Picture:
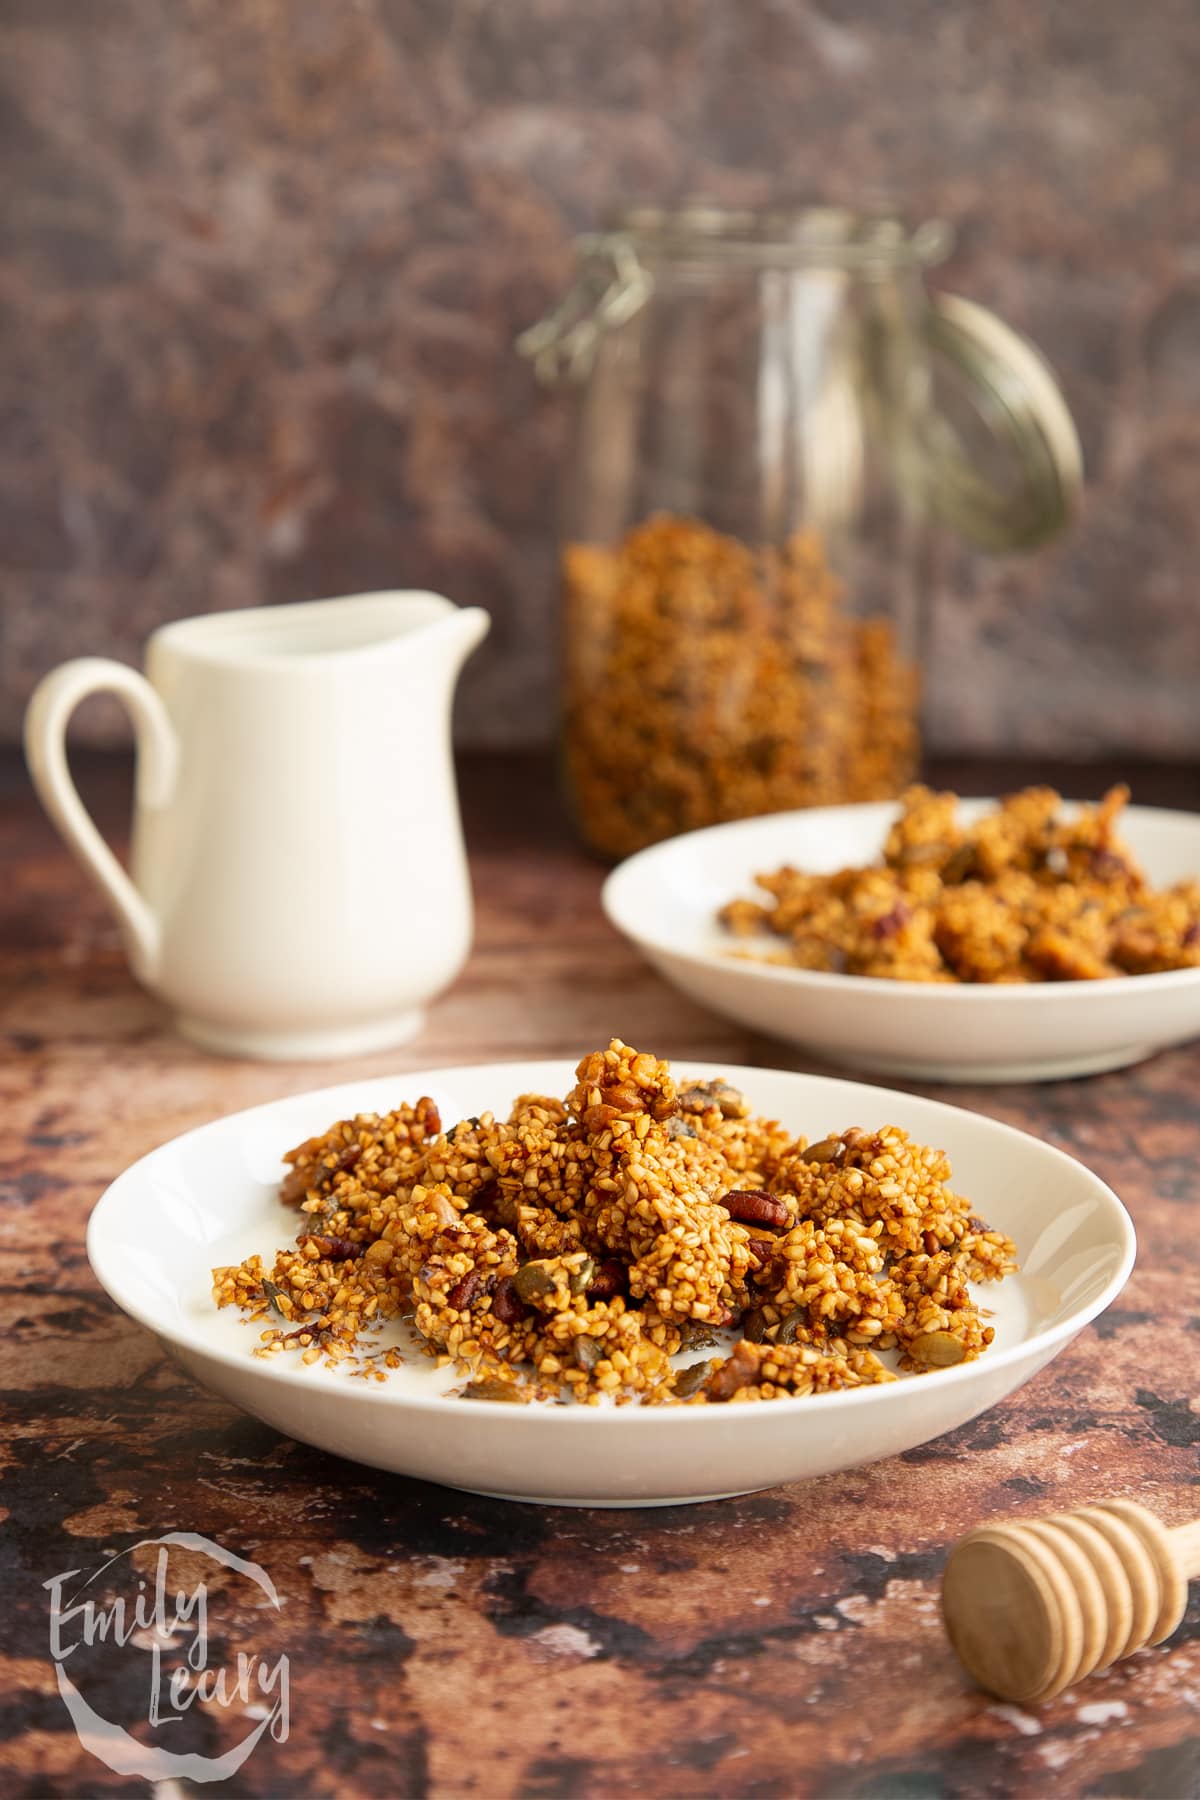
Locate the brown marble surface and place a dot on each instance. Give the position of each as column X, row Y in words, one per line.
column 263, row 262
column 786, row 1644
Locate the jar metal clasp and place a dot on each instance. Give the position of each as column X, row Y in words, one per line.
column 611, row 287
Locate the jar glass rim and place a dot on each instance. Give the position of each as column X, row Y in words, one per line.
column 780, row 236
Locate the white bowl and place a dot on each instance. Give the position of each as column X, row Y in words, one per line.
column 666, row 898
column 210, row 1197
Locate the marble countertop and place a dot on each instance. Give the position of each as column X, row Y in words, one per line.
column 785, row 1644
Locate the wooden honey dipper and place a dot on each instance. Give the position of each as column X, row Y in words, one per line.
column 1032, row 1606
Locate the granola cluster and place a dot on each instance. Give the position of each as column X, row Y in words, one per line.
column 1022, row 895
column 575, row 1248
column 708, row 680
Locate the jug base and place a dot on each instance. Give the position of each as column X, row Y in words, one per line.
column 302, row 1046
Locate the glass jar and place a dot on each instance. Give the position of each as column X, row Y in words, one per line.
column 773, row 411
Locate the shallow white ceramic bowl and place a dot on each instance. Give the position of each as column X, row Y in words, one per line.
column 665, row 899
column 210, row 1197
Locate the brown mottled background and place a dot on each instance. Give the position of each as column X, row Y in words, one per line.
column 263, row 261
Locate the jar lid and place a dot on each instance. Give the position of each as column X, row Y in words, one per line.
column 1004, row 466
column 997, row 458
column 793, row 236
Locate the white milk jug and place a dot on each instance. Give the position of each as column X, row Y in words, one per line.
column 299, row 887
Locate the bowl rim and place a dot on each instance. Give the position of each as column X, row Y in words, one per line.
column 619, row 914
column 1049, row 1340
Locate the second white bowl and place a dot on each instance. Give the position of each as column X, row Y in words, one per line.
column 666, row 899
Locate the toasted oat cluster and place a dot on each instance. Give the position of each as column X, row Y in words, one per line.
column 573, row 1249
column 709, row 680
column 1022, row 895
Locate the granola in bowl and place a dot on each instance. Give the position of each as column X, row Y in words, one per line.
column 1024, row 894
column 575, row 1249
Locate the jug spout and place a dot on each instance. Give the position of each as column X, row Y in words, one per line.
column 444, row 644
column 428, row 635
column 464, row 630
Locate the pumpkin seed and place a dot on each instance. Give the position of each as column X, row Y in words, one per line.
column 939, row 1349
column 694, row 1334
column 829, row 1150
column 754, row 1325
column 582, row 1279
column 533, row 1281
column 960, row 866
column 493, row 1390
column 694, row 1376
column 273, row 1293
column 913, row 855
column 791, row 1324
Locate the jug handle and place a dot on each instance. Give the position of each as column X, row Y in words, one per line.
column 54, row 700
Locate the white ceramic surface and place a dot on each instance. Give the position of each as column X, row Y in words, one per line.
column 299, row 884
column 210, row 1198
column 665, row 899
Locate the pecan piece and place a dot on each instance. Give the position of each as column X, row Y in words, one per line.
column 331, row 1249
column 464, row 1291
column 506, row 1304
column 296, row 1183
column 737, row 1371
column 610, row 1278
column 892, row 922
column 754, row 1206
column 1106, row 865
column 625, row 1100
column 860, row 1143
column 598, row 1118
